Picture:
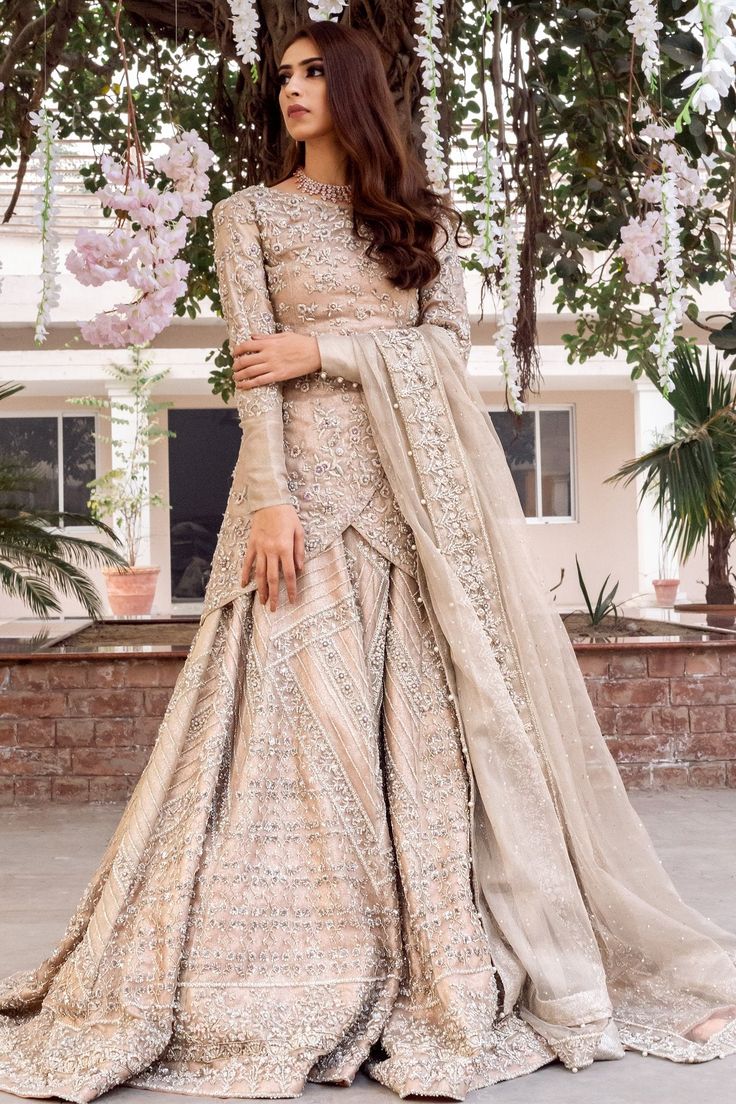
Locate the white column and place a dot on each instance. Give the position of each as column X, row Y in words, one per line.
column 653, row 415
column 123, row 432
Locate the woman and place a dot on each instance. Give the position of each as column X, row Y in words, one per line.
column 380, row 826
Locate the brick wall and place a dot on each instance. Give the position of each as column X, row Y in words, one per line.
column 668, row 711
column 76, row 729
column 81, row 729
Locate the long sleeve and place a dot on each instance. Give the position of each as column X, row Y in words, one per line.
column 443, row 302
column 246, row 307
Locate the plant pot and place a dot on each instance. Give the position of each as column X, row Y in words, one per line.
column 131, row 591
column 666, row 591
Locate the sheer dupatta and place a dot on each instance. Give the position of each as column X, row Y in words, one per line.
column 592, row 938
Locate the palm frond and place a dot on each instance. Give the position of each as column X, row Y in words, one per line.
column 37, row 560
column 691, row 476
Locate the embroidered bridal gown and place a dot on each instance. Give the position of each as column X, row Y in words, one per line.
column 379, row 827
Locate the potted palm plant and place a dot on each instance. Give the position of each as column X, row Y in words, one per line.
column 692, row 473
column 35, row 555
column 123, row 492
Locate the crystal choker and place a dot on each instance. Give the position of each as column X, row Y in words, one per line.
column 318, row 187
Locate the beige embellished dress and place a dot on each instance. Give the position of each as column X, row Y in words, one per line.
column 358, row 841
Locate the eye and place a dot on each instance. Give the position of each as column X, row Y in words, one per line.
column 318, row 69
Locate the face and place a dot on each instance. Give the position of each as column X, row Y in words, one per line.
column 303, row 84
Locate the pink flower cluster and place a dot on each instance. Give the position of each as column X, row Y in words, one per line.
column 641, row 247
column 186, row 164
column 144, row 250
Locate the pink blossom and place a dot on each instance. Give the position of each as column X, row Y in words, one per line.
column 98, row 258
column 144, row 251
column 641, row 248
column 186, row 163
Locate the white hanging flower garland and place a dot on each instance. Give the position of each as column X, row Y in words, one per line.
column 645, row 27
column 499, row 247
column 510, row 290
column 654, row 239
column 428, row 19
column 491, row 196
column 45, row 161
column 245, row 32
column 710, row 23
column 325, row 9
column 669, row 316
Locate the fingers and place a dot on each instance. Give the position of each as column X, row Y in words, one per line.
column 245, row 368
column 273, row 358
column 275, row 548
column 299, row 547
column 252, row 344
column 266, row 571
column 287, row 566
column 249, row 372
column 250, row 555
column 265, row 376
column 261, row 577
column 250, row 347
column 272, row 578
column 267, row 578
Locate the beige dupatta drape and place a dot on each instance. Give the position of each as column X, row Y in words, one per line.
column 587, row 928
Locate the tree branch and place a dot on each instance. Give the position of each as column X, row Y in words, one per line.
column 23, row 37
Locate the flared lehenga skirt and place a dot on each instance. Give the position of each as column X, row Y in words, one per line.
column 288, row 895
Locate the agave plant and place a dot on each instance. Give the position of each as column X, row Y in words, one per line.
column 692, row 473
column 35, row 558
column 604, row 603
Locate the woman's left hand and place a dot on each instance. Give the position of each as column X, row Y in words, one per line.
column 271, row 358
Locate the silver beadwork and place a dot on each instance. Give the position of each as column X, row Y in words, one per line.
column 318, row 187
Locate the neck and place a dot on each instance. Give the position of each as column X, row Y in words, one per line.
column 324, row 160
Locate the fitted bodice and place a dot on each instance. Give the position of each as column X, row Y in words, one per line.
column 292, row 262
column 319, row 277
column 320, row 280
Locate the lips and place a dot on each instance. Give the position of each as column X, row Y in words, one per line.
column 298, row 111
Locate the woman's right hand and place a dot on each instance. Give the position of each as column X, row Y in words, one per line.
column 275, row 544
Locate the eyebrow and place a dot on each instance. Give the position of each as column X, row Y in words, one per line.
column 304, row 62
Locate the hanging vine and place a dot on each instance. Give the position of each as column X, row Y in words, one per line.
column 565, row 92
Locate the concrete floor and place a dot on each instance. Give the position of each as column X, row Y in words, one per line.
column 48, row 854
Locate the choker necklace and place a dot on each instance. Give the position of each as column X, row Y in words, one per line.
column 318, row 187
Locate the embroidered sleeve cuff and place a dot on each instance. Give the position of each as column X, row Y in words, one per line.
column 264, row 463
column 336, row 354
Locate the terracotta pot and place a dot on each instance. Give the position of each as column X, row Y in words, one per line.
column 131, row 591
column 666, row 591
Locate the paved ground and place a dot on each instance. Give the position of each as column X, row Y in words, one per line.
column 48, row 854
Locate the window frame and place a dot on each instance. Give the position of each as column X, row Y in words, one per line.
column 60, row 415
column 536, row 409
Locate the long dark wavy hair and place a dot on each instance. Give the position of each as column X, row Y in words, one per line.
column 390, row 191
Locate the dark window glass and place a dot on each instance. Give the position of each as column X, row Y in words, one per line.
column 551, row 469
column 79, row 461
column 517, row 437
column 554, row 445
column 34, row 443
column 202, row 457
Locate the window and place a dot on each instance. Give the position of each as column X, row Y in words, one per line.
column 202, row 457
column 59, row 451
column 539, row 451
